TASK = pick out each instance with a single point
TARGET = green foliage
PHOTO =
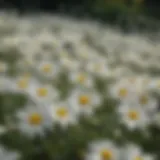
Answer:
(111, 10)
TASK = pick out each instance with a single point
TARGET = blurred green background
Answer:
(104, 9)
(132, 14)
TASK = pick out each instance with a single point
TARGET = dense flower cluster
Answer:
(78, 84)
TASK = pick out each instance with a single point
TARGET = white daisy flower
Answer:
(62, 114)
(103, 150)
(98, 68)
(145, 81)
(48, 68)
(69, 64)
(81, 78)
(84, 101)
(34, 120)
(122, 91)
(137, 79)
(133, 152)
(22, 83)
(42, 93)
(119, 71)
(133, 116)
(8, 155)
(147, 102)
(71, 36)
(141, 83)
(83, 53)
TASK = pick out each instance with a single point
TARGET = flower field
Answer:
(77, 90)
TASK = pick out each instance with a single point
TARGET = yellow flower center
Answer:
(123, 92)
(84, 100)
(138, 158)
(106, 155)
(133, 115)
(62, 112)
(35, 119)
(46, 68)
(42, 92)
(23, 83)
(143, 99)
(81, 78)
